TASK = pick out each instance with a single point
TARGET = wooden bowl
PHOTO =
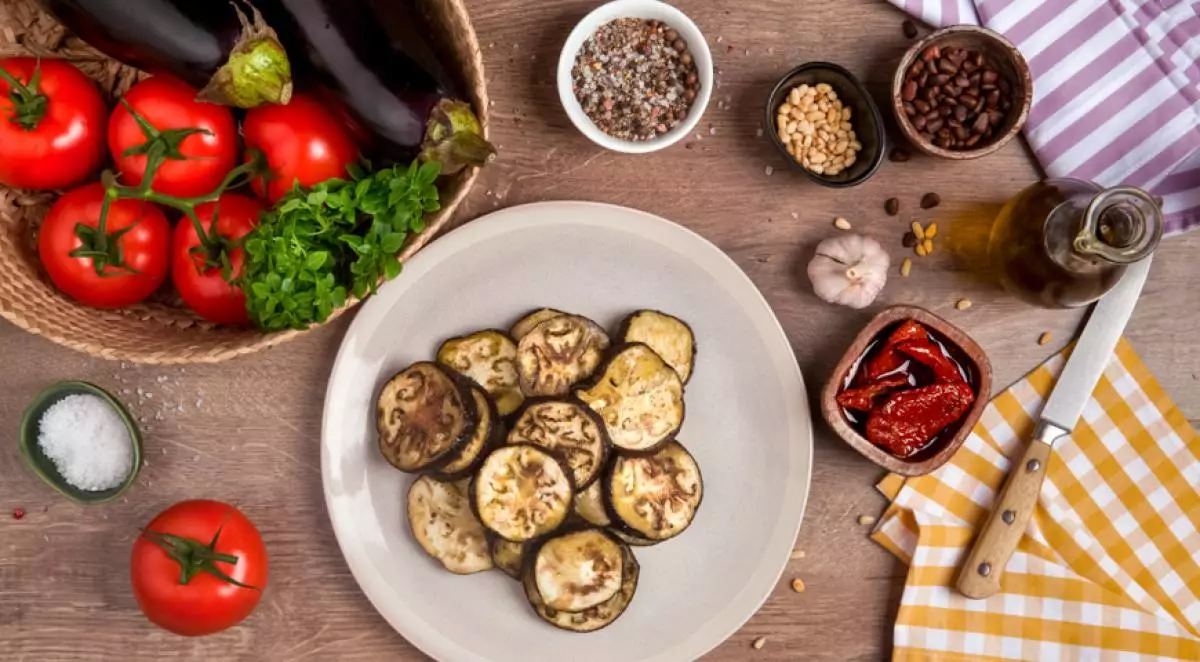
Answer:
(932, 458)
(866, 118)
(1002, 55)
(162, 330)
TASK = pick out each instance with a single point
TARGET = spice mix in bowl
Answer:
(635, 75)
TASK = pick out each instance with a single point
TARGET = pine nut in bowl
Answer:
(635, 76)
(81, 441)
(825, 123)
(962, 92)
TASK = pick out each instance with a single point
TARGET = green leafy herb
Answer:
(338, 239)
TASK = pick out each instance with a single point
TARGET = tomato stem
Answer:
(195, 557)
(29, 103)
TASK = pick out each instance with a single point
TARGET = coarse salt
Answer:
(87, 441)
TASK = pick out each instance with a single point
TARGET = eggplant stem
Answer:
(257, 71)
(454, 138)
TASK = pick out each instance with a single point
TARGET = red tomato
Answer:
(144, 248)
(169, 104)
(203, 286)
(302, 141)
(178, 582)
(60, 145)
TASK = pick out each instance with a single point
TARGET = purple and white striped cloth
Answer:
(1116, 88)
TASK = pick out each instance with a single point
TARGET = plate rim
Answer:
(623, 219)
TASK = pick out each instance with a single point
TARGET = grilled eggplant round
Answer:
(522, 492)
(568, 428)
(559, 353)
(596, 616)
(578, 570)
(526, 323)
(508, 556)
(439, 514)
(589, 505)
(639, 397)
(670, 337)
(490, 358)
(487, 435)
(654, 497)
(425, 415)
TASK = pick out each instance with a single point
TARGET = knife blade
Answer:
(979, 575)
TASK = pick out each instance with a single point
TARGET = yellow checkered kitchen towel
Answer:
(1109, 568)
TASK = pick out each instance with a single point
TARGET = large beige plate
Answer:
(747, 423)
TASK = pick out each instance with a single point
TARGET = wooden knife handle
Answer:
(979, 576)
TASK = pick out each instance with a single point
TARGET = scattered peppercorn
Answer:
(930, 200)
(910, 239)
(910, 29)
(899, 155)
(18, 512)
(892, 206)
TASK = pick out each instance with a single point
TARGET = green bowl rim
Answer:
(29, 429)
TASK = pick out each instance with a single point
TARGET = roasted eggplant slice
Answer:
(508, 556)
(589, 505)
(490, 358)
(522, 492)
(567, 428)
(439, 514)
(638, 396)
(654, 497)
(592, 618)
(425, 414)
(670, 337)
(486, 436)
(578, 570)
(558, 353)
(526, 324)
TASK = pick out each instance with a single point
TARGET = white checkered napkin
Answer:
(1109, 568)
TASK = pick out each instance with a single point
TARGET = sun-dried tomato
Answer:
(888, 359)
(907, 421)
(929, 354)
(863, 398)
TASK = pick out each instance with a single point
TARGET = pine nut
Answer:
(797, 555)
(918, 230)
(841, 223)
(906, 267)
(928, 245)
(931, 231)
(1045, 338)
(921, 250)
(963, 304)
(866, 520)
(759, 643)
(798, 585)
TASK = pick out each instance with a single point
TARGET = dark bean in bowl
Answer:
(865, 118)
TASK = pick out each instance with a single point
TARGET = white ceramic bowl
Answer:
(647, 9)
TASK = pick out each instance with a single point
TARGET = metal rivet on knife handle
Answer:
(985, 569)
(1032, 465)
(1009, 516)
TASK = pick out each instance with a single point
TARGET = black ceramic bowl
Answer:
(865, 116)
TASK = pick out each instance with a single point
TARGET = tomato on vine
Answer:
(199, 567)
(303, 143)
(199, 140)
(52, 121)
(103, 252)
(204, 268)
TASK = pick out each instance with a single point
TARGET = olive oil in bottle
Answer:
(1063, 243)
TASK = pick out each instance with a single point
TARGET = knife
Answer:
(979, 576)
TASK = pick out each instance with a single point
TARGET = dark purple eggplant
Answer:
(222, 47)
(413, 109)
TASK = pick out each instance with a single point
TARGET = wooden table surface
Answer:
(247, 431)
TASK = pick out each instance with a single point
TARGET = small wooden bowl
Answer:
(1002, 55)
(933, 458)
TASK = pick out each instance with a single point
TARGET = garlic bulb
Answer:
(849, 269)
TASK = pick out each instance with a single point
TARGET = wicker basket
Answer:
(161, 331)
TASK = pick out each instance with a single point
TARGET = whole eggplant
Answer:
(411, 107)
(220, 46)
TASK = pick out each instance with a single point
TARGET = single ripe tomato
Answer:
(119, 266)
(303, 143)
(197, 161)
(199, 567)
(51, 128)
(198, 267)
